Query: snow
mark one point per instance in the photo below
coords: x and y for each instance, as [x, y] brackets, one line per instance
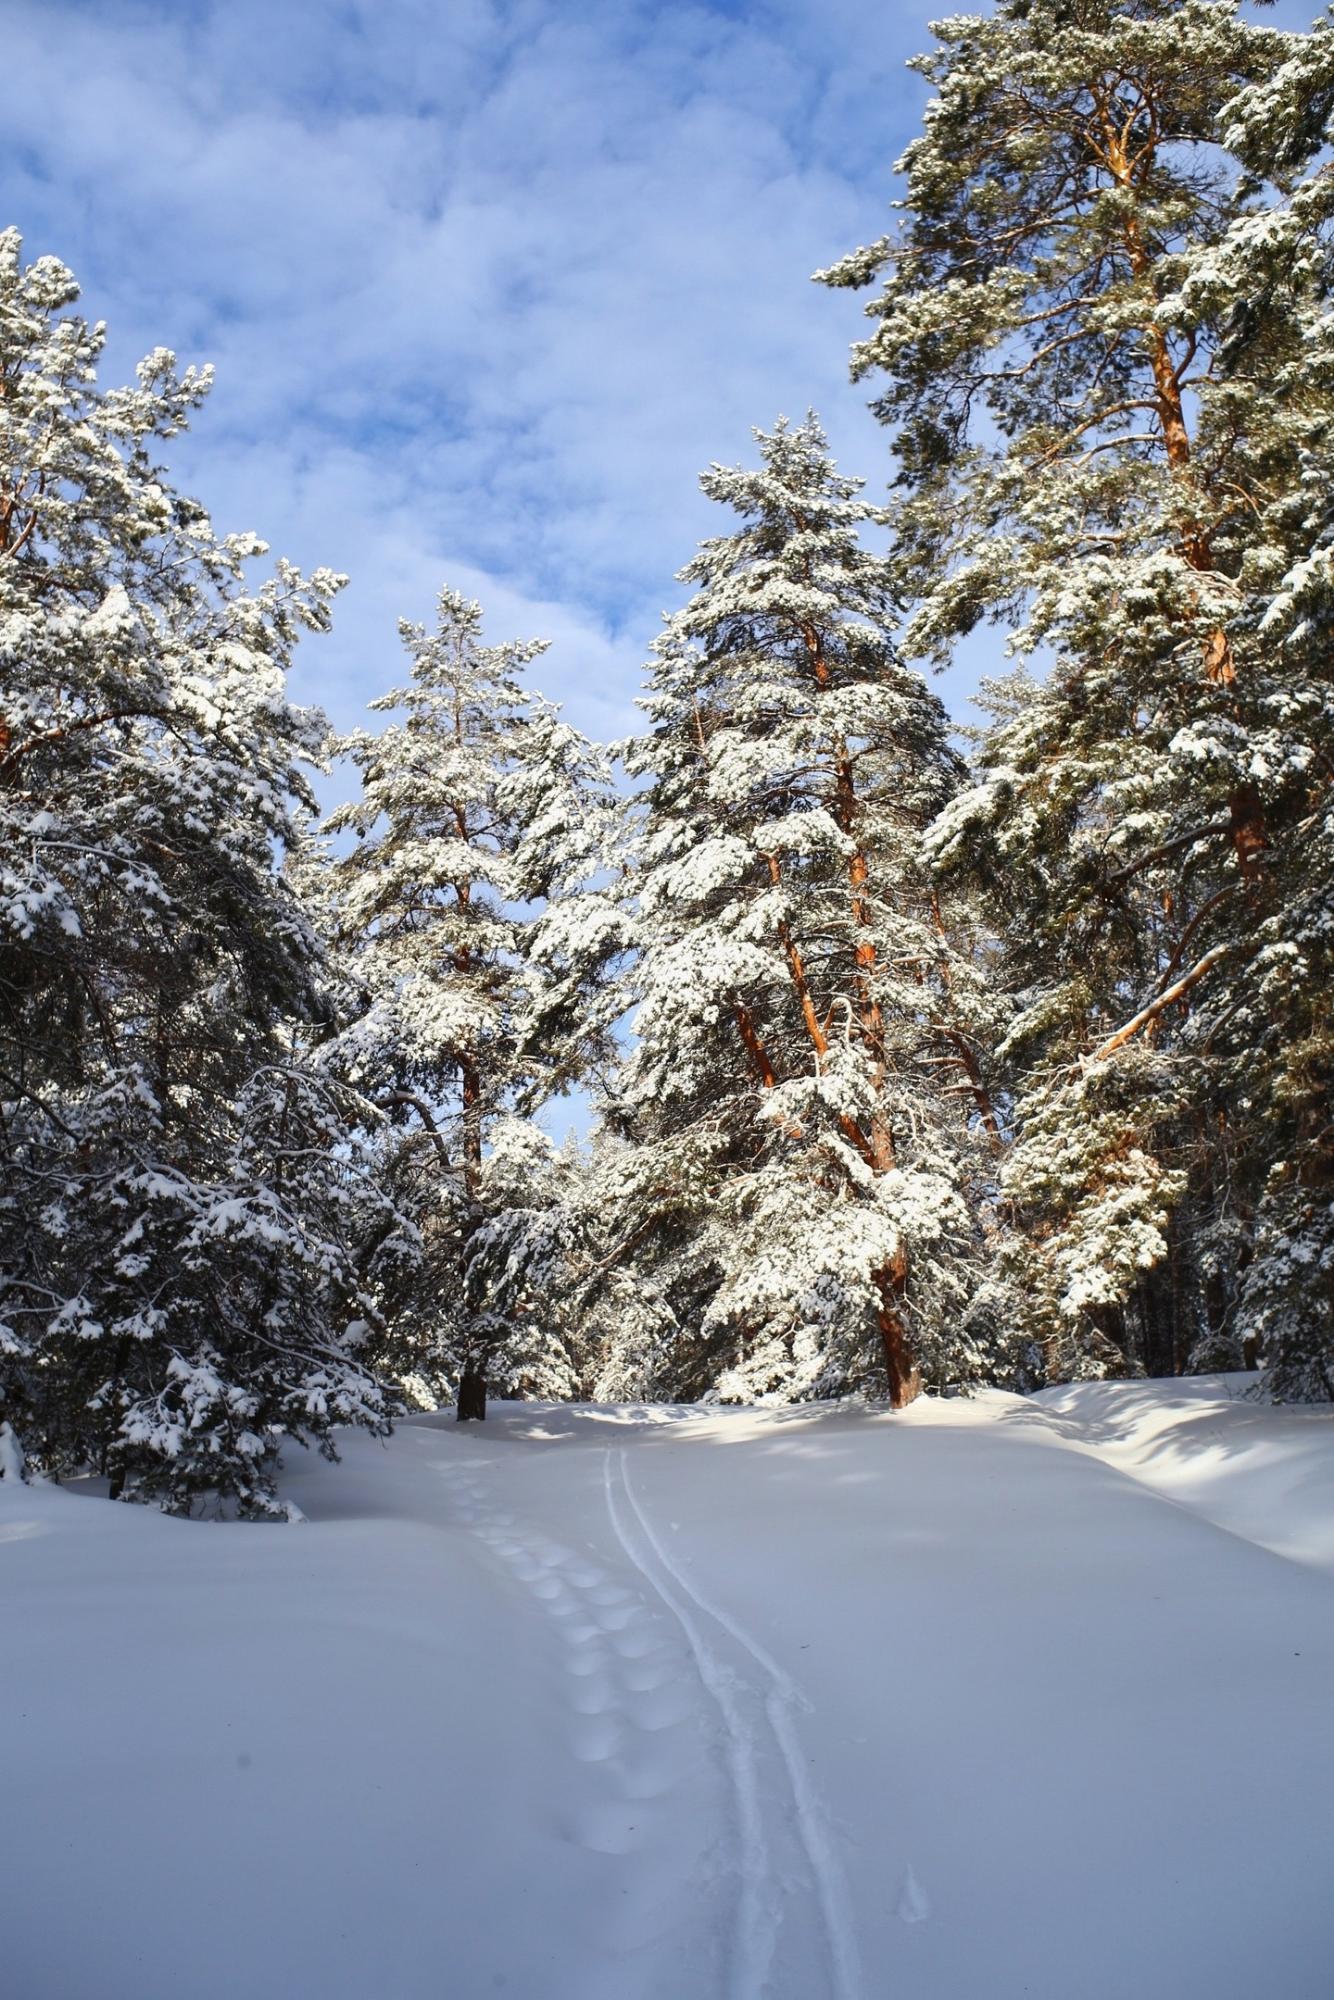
[998, 1697]
[1210, 1443]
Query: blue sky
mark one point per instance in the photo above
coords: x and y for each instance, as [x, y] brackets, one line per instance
[486, 282]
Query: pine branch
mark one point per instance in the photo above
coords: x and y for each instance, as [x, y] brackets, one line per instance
[425, 1113]
[1167, 850]
[1155, 1007]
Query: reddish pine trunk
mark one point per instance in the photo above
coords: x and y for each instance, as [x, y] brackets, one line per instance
[1250, 839]
[901, 1370]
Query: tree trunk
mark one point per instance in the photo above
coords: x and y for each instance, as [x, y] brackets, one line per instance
[472, 1395]
[472, 1382]
[901, 1370]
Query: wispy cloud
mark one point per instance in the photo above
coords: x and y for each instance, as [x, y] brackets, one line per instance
[486, 282]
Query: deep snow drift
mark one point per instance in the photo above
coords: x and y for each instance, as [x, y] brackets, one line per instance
[992, 1699]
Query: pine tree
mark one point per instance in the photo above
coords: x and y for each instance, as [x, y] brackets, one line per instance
[805, 1096]
[617, 1272]
[182, 1219]
[469, 918]
[1103, 335]
[527, 1263]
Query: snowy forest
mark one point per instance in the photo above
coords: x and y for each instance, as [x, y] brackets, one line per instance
[704, 1236]
[913, 1059]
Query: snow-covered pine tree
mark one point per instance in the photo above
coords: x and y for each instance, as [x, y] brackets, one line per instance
[525, 1259]
[182, 1218]
[1103, 333]
[471, 919]
[806, 1092]
[639, 1267]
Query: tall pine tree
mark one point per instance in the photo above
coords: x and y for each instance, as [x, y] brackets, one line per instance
[806, 1093]
[185, 1220]
[1102, 333]
[471, 922]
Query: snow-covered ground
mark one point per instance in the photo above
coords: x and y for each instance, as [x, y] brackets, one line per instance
[993, 1699]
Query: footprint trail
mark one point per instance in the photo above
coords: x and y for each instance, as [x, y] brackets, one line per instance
[698, 1798]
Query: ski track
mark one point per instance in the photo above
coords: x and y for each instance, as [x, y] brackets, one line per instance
[760, 1905]
[758, 1909]
[629, 1693]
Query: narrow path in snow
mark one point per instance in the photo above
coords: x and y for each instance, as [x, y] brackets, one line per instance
[632, 1718]
[771, 1783]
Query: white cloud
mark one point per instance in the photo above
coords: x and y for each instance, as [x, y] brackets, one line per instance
[485, 284]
